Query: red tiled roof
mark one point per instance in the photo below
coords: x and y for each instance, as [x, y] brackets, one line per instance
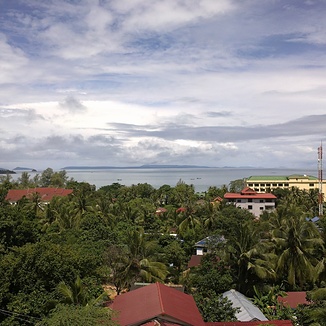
[293, 299]
[46, 194]
[251, 323]
[156, 301]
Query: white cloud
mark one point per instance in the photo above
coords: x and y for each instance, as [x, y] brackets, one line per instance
[12, 61]
[162, 80]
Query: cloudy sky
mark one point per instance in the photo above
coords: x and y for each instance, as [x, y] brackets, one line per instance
[132, 82]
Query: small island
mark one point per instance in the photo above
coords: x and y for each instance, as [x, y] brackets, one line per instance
[6, 171]
[19, 168]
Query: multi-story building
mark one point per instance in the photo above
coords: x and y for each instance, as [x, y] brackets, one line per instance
[251, 200]
[265, 183]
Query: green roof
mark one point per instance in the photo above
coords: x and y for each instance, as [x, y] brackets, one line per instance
[300, 176]
[267, 177]
[279, 177]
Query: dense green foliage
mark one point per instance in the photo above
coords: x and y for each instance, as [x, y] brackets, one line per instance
[56, 258]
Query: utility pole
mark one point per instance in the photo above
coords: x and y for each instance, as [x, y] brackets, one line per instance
[320, 180]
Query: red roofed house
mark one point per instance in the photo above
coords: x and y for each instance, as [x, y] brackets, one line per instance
[46, 194]
[156, 304]
[249, 199]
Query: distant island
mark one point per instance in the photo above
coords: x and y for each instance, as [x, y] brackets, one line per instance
[6, 171]
[19, 168]
[146, 166]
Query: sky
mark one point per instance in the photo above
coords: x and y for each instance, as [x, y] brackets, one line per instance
[132, 82]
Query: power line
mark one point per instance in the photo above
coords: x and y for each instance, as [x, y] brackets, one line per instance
[18, 316]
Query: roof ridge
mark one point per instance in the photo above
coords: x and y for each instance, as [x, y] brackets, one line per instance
[160, 297]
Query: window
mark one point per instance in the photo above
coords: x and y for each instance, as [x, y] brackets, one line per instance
[274, 184]
[311, 184]
[261, 208]
[250, 200]
[256, 184]
[249, 206]
[238, 200]
[286, 184]
[280, 184]
[250, 184]
[268, 184]
[261, 200]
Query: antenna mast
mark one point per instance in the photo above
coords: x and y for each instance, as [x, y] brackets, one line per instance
[320, 180]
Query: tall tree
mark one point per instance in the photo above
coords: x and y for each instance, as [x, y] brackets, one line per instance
[297, 243]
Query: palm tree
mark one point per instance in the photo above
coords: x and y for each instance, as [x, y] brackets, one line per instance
[296, 242]
[189, 220]
[213, 213]
[249, 257]
[76, 294]
[68, 217]
[134, 262]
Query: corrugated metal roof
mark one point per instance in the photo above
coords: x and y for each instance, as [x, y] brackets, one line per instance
[267, 177]
[156, 302]
[46, 194]
[195, 260]
[248, 311]
[254, 178]
[264, 195]
[211, 239]
[251, 323]
[293, 299]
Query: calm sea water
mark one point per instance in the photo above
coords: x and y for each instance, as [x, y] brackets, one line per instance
[201, 178]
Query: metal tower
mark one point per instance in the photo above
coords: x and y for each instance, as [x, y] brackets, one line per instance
[320, 180]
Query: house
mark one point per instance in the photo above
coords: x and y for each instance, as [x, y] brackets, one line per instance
[249, 199]
[265, 183]
[202, 247]
[248, 311]
[161, 305]
[45, 194]
[156, 303]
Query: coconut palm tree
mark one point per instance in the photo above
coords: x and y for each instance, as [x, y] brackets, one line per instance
[189, 219]
[134, 262]
[68, 216]
[77, 294]
[249, 257]
[297, 242]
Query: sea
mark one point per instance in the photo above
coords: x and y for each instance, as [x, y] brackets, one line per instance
[200, 178]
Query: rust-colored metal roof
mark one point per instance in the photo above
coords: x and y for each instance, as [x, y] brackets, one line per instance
[181, 209]
[293, 299]
[247, 193]
[156, 301]
[195, 260]
[251, 323]
[46, 194]
[159, 323]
